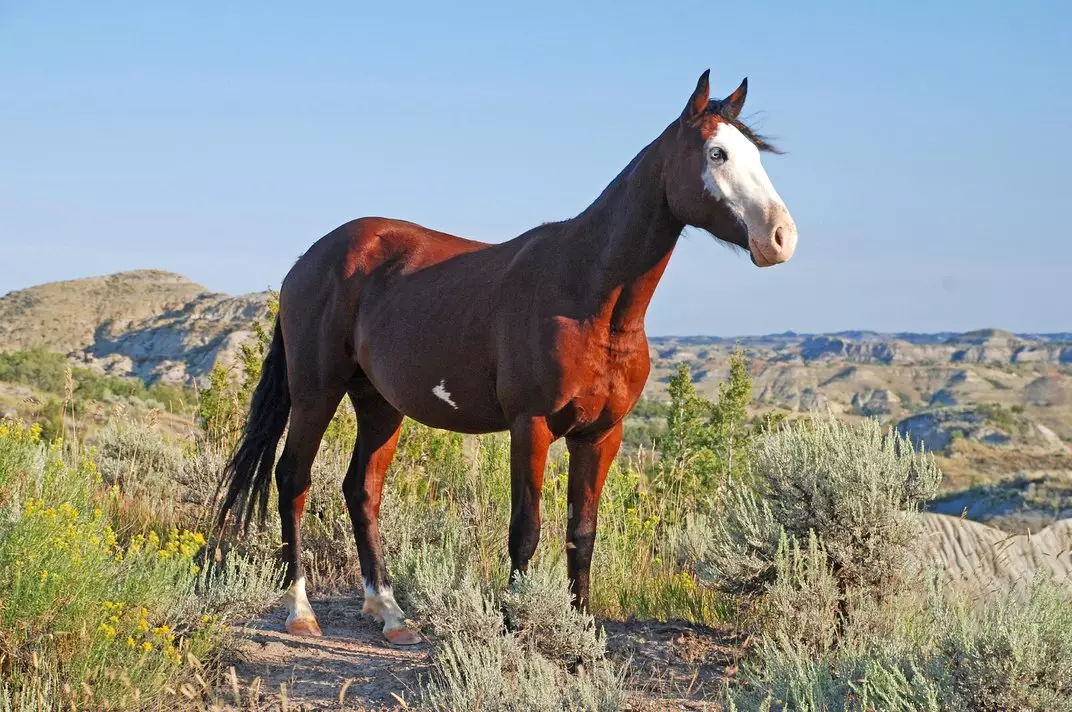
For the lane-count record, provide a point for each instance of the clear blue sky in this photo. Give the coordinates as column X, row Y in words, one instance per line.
column 927, row 167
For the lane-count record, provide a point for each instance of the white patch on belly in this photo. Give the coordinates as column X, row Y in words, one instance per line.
column 443, row 394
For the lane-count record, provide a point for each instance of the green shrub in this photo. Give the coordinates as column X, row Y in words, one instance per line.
column 855, row 487
column 937, row 651
column 47, row 371
column 139, row 459
column 552, row 659
column 820, row 551
column 93, row 611
column 1014, row 655
column 706, row 443
column 999, row 417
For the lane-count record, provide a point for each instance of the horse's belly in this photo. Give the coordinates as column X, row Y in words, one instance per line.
column 434, row 382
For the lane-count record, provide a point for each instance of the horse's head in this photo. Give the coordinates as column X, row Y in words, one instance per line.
column 715, row 180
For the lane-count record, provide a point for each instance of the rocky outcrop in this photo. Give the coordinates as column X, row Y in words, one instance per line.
column 182, row 344
column 875, row 402
column 154, row 325
column 986, row 561
column 934, row 430
column 73, row 315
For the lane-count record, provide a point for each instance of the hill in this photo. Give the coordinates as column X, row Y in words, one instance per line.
column 151, row 324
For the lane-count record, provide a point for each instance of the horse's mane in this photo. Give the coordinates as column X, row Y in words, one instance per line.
column 722, row 110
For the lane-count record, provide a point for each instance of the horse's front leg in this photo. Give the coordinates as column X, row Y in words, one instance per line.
column 529, row 441
column 590, row 459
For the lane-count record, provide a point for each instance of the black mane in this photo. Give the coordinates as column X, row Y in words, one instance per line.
column 722, row 110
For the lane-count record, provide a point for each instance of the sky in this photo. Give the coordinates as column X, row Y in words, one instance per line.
column 926, row 166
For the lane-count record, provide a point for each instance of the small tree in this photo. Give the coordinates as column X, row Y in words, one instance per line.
column 706, row 443
column 732, row 434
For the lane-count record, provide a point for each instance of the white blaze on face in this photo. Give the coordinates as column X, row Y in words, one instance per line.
column 443, row 394
column 738, row 179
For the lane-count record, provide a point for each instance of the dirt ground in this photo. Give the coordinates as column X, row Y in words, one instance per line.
column 671, row 665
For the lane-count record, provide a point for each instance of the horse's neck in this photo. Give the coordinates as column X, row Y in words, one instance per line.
column 628, row 234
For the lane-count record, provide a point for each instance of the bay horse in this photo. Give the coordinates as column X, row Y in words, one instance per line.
column 542, row 335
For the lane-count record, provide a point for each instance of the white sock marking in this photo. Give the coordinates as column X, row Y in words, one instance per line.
column 298, row 603
column 443, row 394
column 383, row 606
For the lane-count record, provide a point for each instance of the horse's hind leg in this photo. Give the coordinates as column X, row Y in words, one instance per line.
column 378, row 427
column 292, row 477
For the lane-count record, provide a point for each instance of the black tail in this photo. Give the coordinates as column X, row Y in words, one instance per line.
column 248, row 475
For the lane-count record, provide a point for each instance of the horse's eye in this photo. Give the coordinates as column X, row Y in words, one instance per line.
column 717, row 154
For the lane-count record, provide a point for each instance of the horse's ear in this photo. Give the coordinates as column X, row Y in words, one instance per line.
column 698, row 101
column 735, row 101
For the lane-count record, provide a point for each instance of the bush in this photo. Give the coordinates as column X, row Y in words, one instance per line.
column 1016, row 655
column 706, row 443
column 92, row 610
column 820, row 550
column 139, row 460
column 48, row 372
column 942, row 653
column 552, row 659
column 854, row 487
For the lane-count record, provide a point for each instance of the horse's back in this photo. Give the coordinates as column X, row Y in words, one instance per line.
column 370, row 242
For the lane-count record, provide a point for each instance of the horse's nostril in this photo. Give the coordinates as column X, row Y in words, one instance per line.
column 779, row 237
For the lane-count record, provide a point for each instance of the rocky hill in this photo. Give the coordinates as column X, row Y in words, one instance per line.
column 151, row 324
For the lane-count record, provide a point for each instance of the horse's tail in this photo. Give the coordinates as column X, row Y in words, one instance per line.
column 248, row 474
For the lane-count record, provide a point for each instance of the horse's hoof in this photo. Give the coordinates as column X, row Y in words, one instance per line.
column 306, row 627
column 401, row 636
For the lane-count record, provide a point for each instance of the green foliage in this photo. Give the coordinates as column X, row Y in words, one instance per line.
column 855, row 487
column 706, row 443
column 138, row 459
column 820, row 548
column 1015, row 655
column 35, row 367
column 553, row 658
column 88, row 594
column 650, row 408
column 924, row 650
column 48, row 372
column 998, row 416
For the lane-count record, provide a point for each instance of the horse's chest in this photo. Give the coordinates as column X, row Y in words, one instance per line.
column 604, row 374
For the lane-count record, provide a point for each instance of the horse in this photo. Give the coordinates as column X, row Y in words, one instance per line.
column 542, row 336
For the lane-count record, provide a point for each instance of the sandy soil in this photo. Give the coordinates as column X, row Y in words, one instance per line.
column 351, row 654
column 671, row 665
